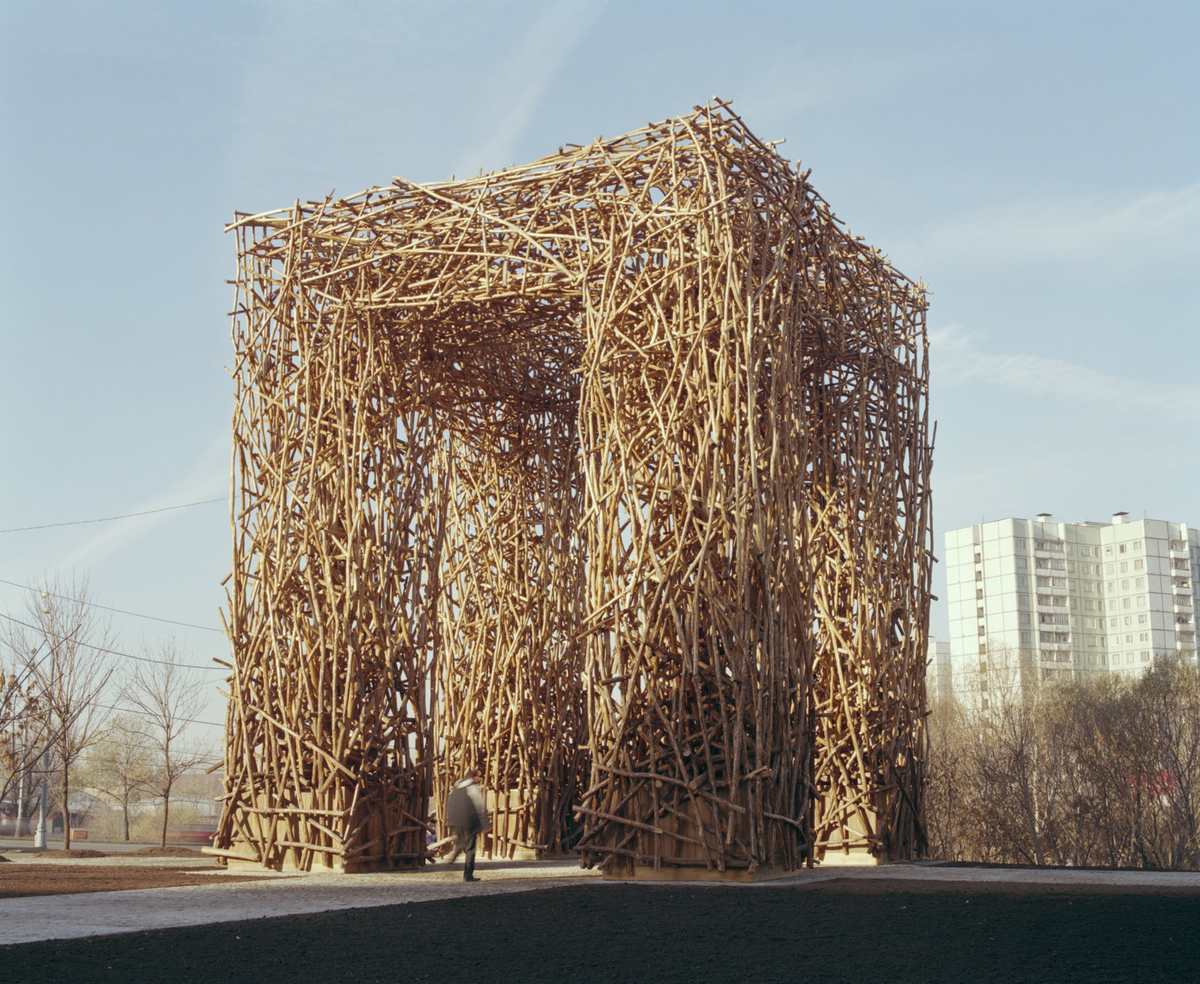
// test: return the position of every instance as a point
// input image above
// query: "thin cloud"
(525, 76)
(207, 478)
(1157, 223)
(956, 360)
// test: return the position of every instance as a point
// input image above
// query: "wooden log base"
(672, 873)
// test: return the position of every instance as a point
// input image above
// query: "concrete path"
(25, 920)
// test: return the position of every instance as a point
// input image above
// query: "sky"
(1037, 165)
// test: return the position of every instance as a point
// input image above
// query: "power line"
(137, 713)
(109, 519)
(107, 608)
(117, 652)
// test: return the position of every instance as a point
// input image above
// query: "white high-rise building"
(937, 670)
(1035, 601)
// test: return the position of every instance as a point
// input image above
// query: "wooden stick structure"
(607, 477)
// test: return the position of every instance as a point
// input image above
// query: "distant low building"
(1035, 602)
(938, 686)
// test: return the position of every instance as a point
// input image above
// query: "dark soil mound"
(167, 852)
(73, 854)
(832, 933)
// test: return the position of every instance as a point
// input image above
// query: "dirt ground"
(25, 879)
(841, 931)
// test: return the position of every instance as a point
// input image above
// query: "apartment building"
(938, 677)
(1037, 602)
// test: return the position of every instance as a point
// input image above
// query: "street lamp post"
(39, 837)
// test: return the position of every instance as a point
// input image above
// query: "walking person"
(467, 818)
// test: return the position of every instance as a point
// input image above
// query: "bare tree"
(168, 696)
(1174, 689)
(121, 764)
(944, 782)
(24, 726)
(68, 672)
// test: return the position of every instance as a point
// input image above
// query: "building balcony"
(1182, 603)
(1180, 552)
(1050, 604)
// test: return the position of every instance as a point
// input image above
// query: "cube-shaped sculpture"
(606, 476)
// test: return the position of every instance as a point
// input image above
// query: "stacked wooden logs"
(606, 477)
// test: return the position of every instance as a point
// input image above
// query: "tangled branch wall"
(607, 476)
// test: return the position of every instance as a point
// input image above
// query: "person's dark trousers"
(469, 868)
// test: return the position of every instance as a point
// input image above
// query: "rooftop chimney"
(1119, 518)
(1045, 518)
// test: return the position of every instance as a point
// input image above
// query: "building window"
(1141, 601)
(1145, 656)
(1139, 564)
(1024, 601)
(1128, 639)
(1139, 582)
(1019, 543)
(979, 575)
(1024, 618)
(1141, 620)
(1127, 619)
(1125, 584)
(1021, 563)
(1108, 551)
(1122, 548)
(979, 612)
(1124, 566)
(1124, 602)
(982, 630)
(1144, 637)
(1112, 622)
(1137, 544)
(1108, 568)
